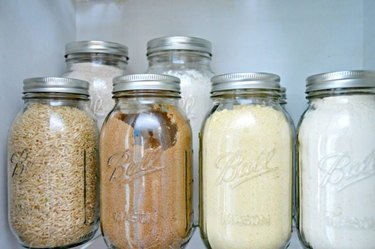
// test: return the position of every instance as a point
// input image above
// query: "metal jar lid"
(103, 47)
(146, 82)
(340, 79)
(55, 85)
(179, 43)
(234, 81)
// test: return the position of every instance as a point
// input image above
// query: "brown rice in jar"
(52, 165)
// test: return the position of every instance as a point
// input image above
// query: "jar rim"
(339, 92)
(55, 85)
(258, 92)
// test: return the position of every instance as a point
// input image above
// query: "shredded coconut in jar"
(246, 178)
(53, 183)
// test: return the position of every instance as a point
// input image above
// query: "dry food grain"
(146, 179)
(53, 177)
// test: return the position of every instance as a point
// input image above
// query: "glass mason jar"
(52, 165)
(97, 62)
(146, 173)
(336, 144)
(187, 58)
(246, 165)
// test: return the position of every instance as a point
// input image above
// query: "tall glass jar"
(52, 165)
(336, 144)
(146, 171)
(246, 165)
(97, 62)
(187, 58)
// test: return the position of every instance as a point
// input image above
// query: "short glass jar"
(146, 170)
(336, 147)
(189, 59)
(52, 165)
(97, 62)
(246, 165)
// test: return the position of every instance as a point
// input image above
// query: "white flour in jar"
(247, 178)
(100, 78)
(196, 102)
(337, 166)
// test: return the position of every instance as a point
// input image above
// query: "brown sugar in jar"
(146, 172)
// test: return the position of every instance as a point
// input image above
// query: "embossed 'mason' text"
(358, 223)
(236, 168)
(247, 220)
(136, 217)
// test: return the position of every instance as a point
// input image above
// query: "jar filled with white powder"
(97, 62)
(187, 58)
(246, 165)
(52, 165)
(336, 144)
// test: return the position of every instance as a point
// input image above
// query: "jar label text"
(342, 171)
(124, 167)
(237, 168)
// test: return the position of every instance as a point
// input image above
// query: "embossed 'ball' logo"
(237, 168)
(342, 171)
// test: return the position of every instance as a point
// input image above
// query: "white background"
(292, 38)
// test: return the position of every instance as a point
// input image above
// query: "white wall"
(32, 39)
(369, 34)
(292, 38)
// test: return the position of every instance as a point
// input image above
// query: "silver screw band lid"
(55, 85)
(179, 43)
(340, 79)
(146, 82)
(104, 47)
(233, 81)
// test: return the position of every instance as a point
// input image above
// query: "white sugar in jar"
(336, 141)
(97, 62)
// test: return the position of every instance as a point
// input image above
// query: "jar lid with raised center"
(56, 85)
(339, 80)
(246, 81)
(156, 82)
(187, 43)
(99, 47)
